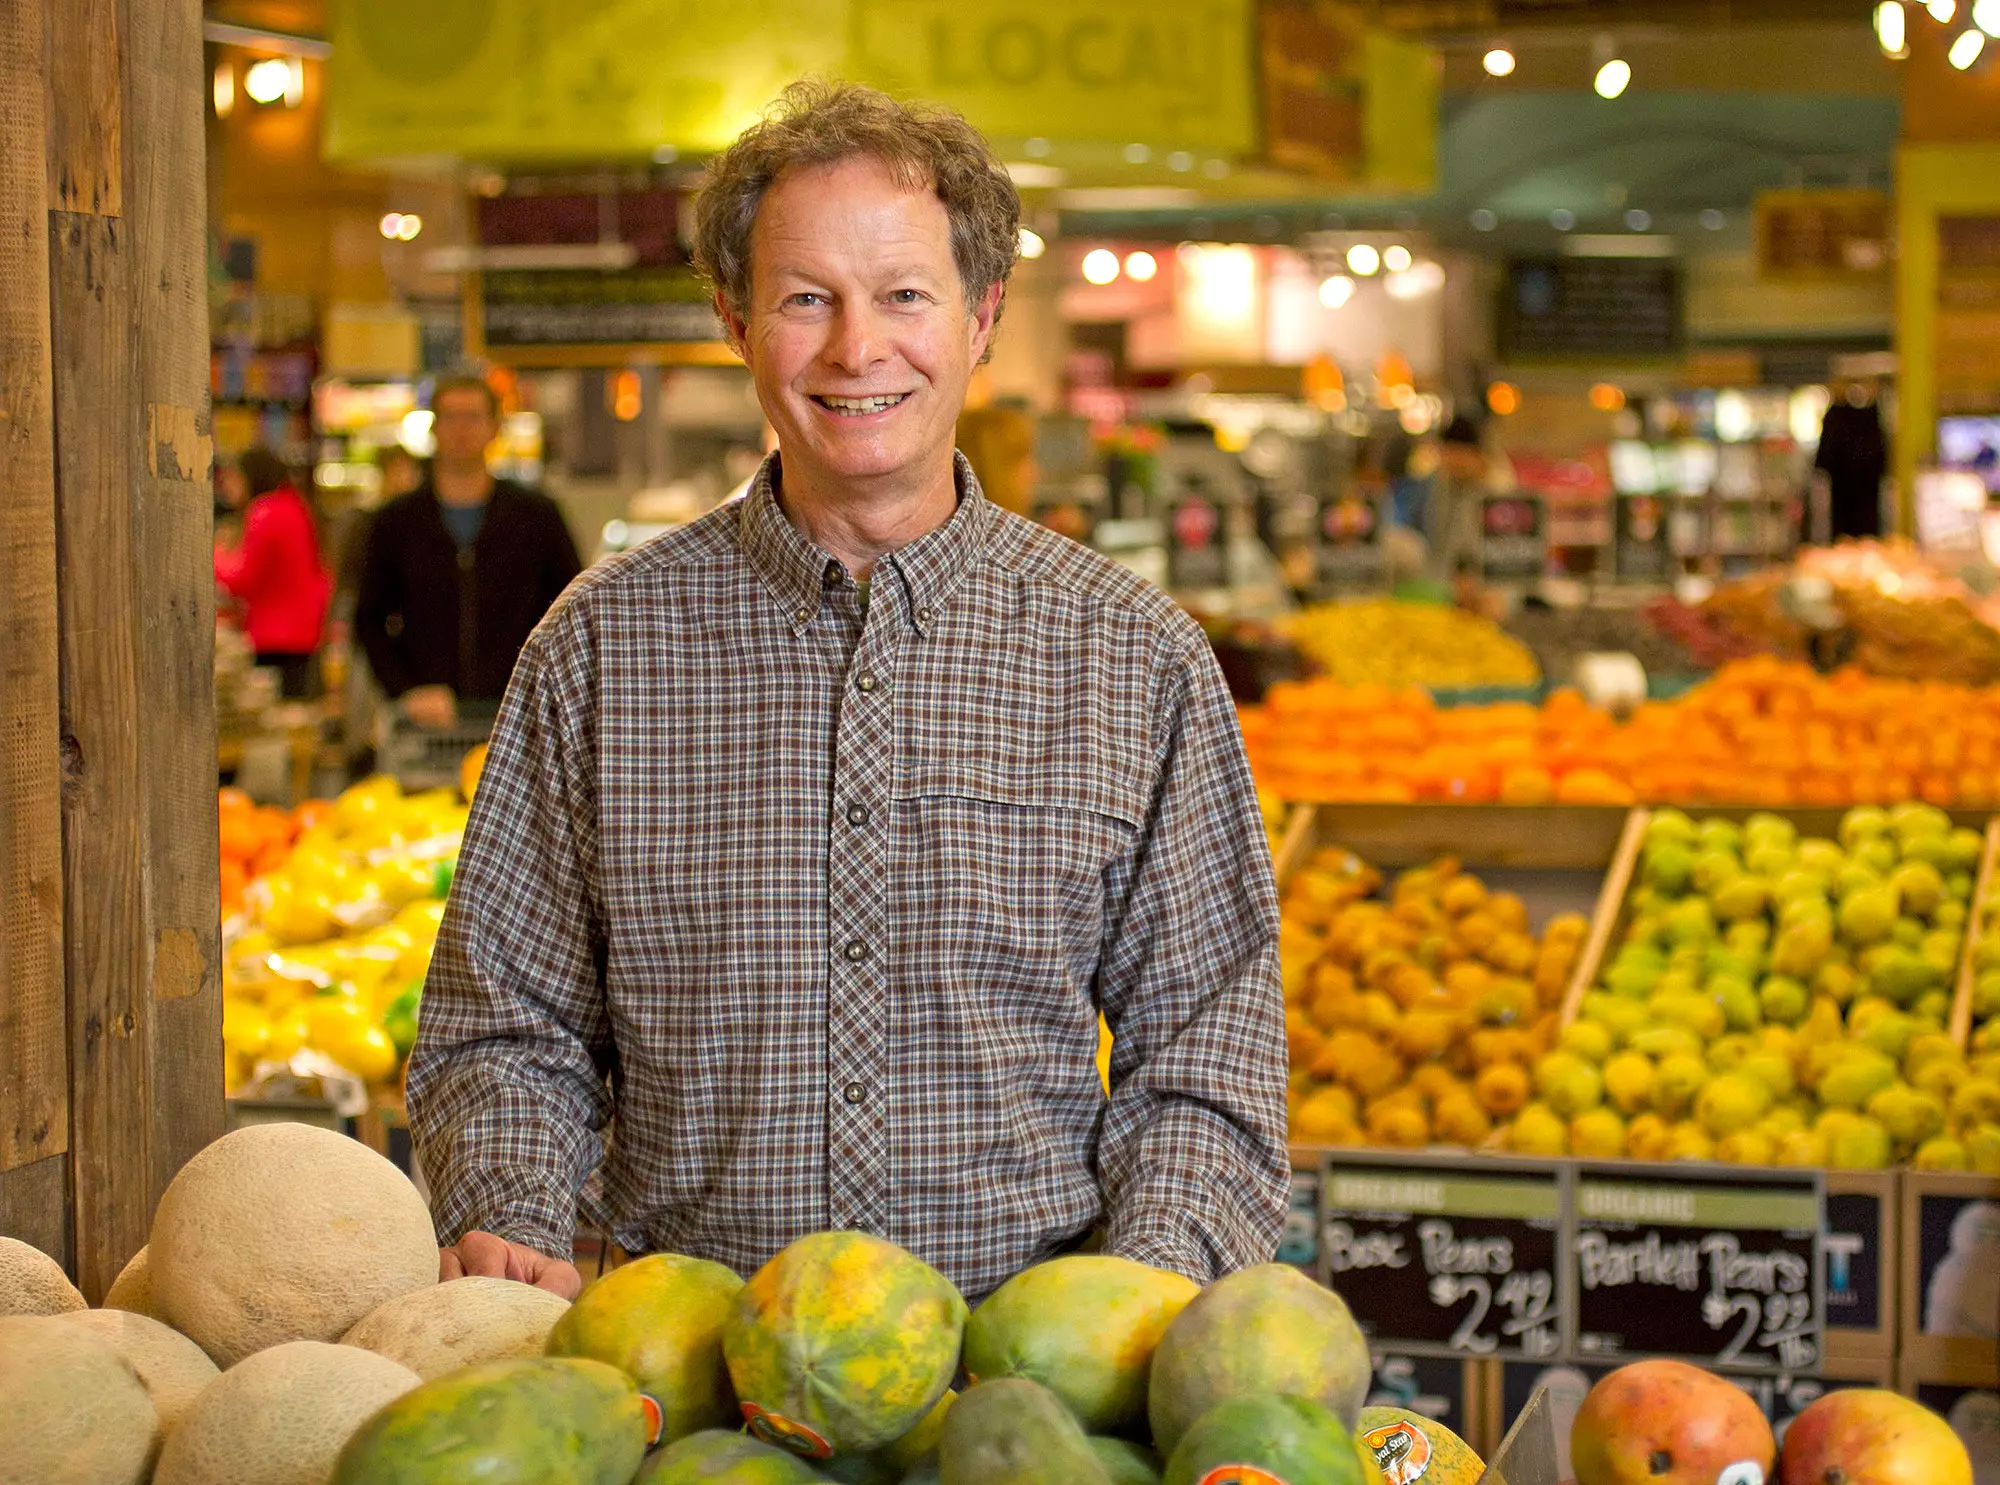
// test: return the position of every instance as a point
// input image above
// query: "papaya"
(536, 1421)
(841, 1344)
(1266, 1439)
(892, 1462)
(1267, 1329)
(1016, 1432)
(1409, 1448)
(1125, 1462)
(659, 1320)
(717, 1457)
(1085, 1327)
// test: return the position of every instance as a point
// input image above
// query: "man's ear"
(733, 327)
(984, 313)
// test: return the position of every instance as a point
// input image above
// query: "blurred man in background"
(457, 572)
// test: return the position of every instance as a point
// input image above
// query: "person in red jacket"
(275, 573)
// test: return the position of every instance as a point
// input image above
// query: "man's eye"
(907, 296)
(803, 300)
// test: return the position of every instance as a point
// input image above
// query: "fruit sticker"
(656, 1418)
(1401, 1450)
(1240, 1474)
(776, 1428)
(1743, 1472)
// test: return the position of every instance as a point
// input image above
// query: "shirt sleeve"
(1193, 1157)
(375, 599)
(506, 1088)
(248, 567)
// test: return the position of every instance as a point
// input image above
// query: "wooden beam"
(34, 1108)
(83, 146)
(160, 61)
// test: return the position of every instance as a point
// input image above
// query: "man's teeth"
(861, 404)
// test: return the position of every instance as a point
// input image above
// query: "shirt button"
(802, 615)
(854, 1093)
(857, 814)
(923, 618)
(856, 951)
(864, 682)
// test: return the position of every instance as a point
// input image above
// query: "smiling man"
(816, 835)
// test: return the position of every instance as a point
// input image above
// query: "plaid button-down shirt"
(832, 899)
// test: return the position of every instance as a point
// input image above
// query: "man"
(823, 828)
(457, 572)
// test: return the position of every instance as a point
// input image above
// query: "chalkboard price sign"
(1442, 1259)
(1724, 1271)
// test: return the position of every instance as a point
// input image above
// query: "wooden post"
(110, 997)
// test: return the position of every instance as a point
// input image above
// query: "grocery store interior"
(1576, 428)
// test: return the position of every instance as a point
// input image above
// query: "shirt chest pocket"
(1010, 861)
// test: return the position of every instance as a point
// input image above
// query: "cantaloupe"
(447, 1326)
(76, 1411)
(172, 1368)
(280, 1417)
(32, 1283)
(285, 1232)
(133, 1288)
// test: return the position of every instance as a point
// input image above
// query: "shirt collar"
(794, 568)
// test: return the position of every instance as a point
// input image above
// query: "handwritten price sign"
(1445, 1258)
(1723, 1271)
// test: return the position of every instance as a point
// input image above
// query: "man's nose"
(856, 342)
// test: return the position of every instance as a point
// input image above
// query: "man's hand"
(483, 1254)
(431, 706)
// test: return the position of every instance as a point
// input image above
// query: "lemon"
(1731, 1103)
(1942, 1154)
(1646, 1137)
(1746, 1147)
(1676, 1082)
(1588, 1040)
(1688, 1141)
(1568, 1084)
(1628, 1082)
(1538, 1131)
(1597, 1135)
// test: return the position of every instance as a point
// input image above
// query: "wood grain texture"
(34, 1108)
(106, 946)
(34, 1206)
(165, 203)
(85, 170)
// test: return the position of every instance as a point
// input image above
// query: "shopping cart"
(429, 757)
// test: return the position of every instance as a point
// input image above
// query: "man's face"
(464, 424)
(858, 334)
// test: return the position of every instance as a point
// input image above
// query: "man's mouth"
(857, 407)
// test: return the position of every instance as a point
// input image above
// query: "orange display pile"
(1760, 731)
(257, 839)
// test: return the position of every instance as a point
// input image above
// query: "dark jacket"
(430, 615)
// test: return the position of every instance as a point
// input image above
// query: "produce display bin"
(1968, 972)
(1966, 1397)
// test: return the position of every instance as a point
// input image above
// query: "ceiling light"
(1421, 279)
(1336, 291)
(666, 154)
(1639, 221)
(1396, 259)
(391, 225)
(1607, 397)
(1140, 267)
(408, 226)
(269, 80)
(1613, 78)
(1215, 169)
(1503, 398)
(1965, 49)
(1483, 220)
(1031, 244)
(1986, 16)
(1499, 62)
(1892, 29)
(1942, 10)
(1137, 154)
(225, 89)
(1562, 219)
(1180, 160)
(1712, 220)
(1100, 265)
(1362, 259)
(1037, 148)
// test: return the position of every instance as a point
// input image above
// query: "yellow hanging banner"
(516, 80)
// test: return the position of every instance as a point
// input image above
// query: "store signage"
(1722, 1271)
(1439, 1258)
(1513, 537)
(1300, 1244)
(622, 78)
(1575, 308)
(1822, 236)
(1434, 1387)
(1853, 1247)
(1344, 102)
(1350, 527)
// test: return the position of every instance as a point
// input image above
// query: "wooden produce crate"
(1961, 1005)
(1950, 1275)
(1863, 1282)
(1968, 1398)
